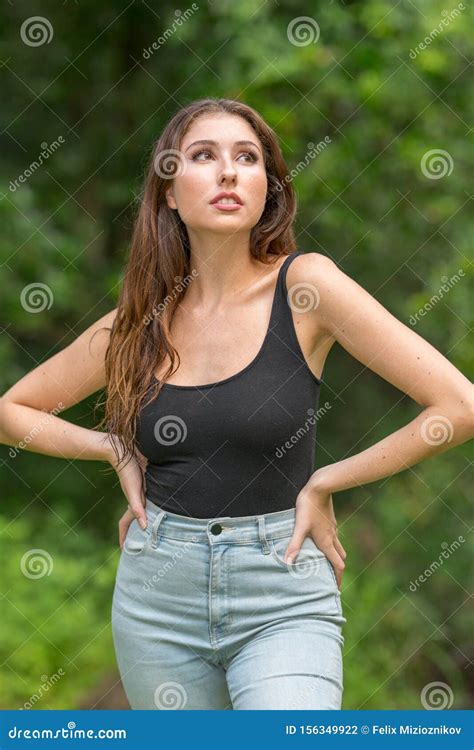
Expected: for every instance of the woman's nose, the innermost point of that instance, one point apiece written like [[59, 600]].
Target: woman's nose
[[227, 171]]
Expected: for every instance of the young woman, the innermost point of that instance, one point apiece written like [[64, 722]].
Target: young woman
[[228, 586]]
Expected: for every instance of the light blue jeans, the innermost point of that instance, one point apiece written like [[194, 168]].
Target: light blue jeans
[[207, 615]]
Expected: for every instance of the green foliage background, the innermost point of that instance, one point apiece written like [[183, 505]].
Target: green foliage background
[[364, 201]]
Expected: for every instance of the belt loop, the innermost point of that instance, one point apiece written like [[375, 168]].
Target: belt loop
[[261, 535], [155, 527]]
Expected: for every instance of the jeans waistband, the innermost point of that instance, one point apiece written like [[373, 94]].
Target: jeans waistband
[[221, 529]]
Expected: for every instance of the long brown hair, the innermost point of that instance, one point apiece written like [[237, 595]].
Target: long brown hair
[[158, 268]]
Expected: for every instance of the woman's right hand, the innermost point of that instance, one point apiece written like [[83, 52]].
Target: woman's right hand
[[131, 476]]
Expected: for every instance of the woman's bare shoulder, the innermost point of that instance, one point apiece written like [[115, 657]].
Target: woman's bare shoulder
[[313, 269]]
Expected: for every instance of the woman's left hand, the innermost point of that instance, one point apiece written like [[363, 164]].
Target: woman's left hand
[[315, 518]]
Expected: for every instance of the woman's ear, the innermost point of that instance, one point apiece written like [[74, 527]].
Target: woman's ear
[[170, 198]]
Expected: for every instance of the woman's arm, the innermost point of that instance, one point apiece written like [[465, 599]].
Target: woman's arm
[[371, 334], [343, 311], [28, 412], [28, 409]]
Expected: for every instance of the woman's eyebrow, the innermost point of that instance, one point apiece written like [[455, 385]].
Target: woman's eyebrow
[[214, 143]]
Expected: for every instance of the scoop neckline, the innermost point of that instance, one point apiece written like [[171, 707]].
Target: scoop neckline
[[254, 360]]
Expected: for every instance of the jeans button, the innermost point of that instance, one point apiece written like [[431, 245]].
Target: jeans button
[[216, 528]]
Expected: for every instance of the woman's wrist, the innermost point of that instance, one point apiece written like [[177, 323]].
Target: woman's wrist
[[322, 481], [106, 450]]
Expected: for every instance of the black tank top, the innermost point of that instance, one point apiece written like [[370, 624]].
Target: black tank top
[[241, 446]]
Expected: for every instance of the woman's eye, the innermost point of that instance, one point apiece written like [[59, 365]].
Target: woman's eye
[[253, 158], [195, 156]]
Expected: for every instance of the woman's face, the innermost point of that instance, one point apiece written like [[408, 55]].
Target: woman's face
[[222, 166]]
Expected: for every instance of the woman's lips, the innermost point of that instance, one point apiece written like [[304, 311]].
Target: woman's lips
[[226, 206]]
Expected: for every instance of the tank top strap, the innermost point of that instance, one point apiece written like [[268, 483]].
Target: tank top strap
[[282, 324], [283, 310], [283, 271]]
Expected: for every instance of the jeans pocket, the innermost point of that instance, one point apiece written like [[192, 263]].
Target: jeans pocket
[[313, 565], [137, 539], [306, 562]]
